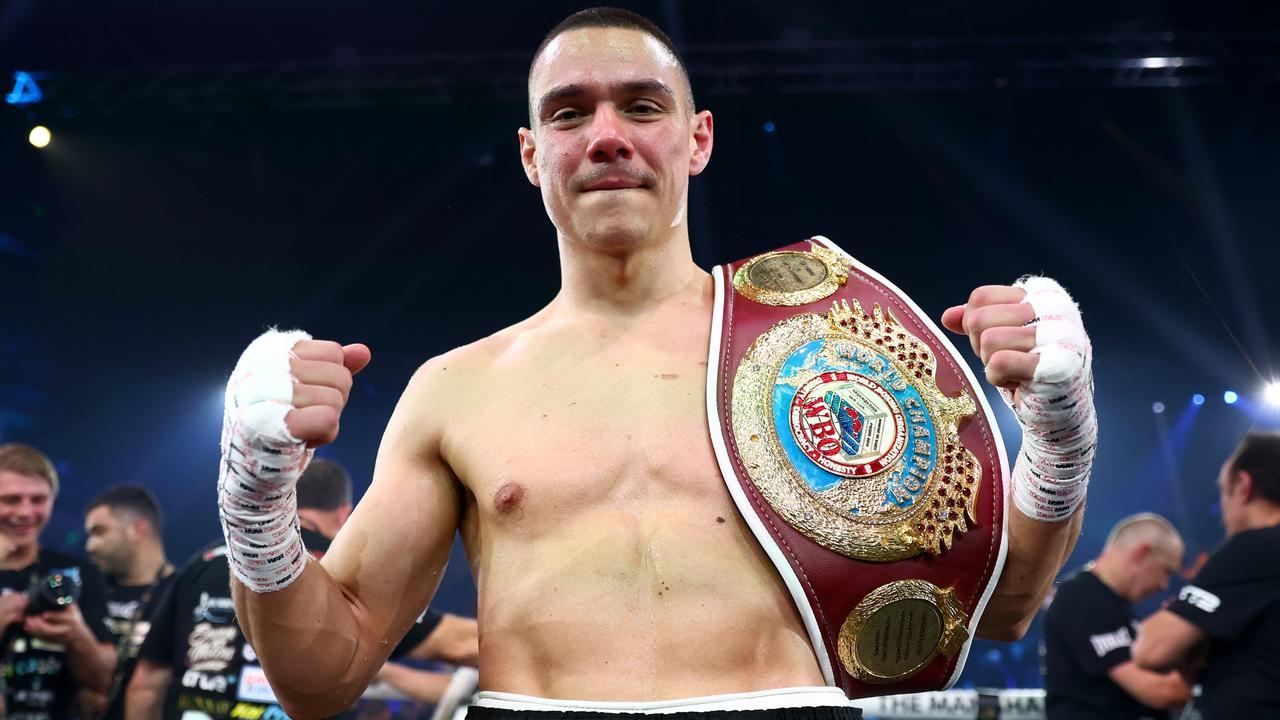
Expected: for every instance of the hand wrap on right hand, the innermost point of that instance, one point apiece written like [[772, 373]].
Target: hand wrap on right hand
[[261, 464]]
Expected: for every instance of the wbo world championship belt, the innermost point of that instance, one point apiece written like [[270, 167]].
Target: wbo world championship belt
[[863, 455]]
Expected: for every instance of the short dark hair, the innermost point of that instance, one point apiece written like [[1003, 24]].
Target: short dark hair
[[1259, 455], [612, 17], [134, 499], [324, 485]]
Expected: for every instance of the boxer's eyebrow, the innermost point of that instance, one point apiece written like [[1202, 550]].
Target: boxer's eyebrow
[[640, 87], [630, 87], [562, 92]]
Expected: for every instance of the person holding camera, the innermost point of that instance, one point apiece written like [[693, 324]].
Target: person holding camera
[[55, 641], [195, 660]]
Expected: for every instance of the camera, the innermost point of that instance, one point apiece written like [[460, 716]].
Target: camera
[[55, 591]]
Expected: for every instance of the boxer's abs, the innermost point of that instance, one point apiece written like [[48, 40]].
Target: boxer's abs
[[610, 560], [624, 607]]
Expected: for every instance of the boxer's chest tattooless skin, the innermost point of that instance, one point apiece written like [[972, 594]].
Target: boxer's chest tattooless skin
[[599, 525]]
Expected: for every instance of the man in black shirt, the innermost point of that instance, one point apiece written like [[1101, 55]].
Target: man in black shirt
[[49, 655], [1090, 627], [123, 530], [1231, 615], [195, 661]]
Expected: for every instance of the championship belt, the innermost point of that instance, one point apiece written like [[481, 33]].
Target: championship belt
[[862, 453]]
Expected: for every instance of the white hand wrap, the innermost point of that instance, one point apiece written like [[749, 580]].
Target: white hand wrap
[[261, 464], [1060, 428]]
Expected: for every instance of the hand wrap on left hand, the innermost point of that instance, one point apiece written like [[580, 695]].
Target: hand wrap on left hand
[[1056, 412]]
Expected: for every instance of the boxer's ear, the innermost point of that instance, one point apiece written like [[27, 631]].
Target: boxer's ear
[[529, 155], [701, 139]]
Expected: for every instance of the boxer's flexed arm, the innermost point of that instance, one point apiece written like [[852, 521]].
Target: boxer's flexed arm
[[321, 630], [1034, 348]]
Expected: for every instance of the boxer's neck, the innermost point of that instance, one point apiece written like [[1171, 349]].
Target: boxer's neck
[[628, 280]]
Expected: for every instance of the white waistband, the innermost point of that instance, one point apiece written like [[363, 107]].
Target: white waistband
[[759, 700]]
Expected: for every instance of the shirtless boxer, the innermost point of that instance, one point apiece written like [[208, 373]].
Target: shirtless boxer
[[571, 450]]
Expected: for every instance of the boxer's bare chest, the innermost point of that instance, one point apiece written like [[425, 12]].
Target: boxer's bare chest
[[571, 421], [600, 530]]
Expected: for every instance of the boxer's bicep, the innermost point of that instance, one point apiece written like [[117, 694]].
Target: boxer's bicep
[[349, 610], [392, 552]]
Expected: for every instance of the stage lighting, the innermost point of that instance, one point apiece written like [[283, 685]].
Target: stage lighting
[[1230, 397], [1271, 393], [25, 90], [770, 127], [1157, 407], [1197, 399], [40, 136], [1155, 63]]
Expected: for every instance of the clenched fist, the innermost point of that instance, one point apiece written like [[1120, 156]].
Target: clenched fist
[[999, 327], [284, 397], [1034, 347], [322, 372]]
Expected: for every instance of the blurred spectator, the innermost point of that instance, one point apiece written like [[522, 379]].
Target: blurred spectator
[[55, 644], [123, 527], [1089, 628], [1229, 620]]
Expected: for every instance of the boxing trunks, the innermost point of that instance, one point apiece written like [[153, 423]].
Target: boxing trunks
[[808, 703]]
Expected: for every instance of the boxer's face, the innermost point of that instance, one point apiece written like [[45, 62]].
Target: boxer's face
[[614, 138], [25, 501]]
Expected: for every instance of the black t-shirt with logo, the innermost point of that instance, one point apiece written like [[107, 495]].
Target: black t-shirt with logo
[[1235, 599], [37, 676], [215, 672], [1088, 630], [129, 609]]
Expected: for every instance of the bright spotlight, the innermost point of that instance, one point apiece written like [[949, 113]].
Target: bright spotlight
[[1230, 397], [1153, 63], [1271, 393], [1157, 407], [1197, 399], [40, 136]]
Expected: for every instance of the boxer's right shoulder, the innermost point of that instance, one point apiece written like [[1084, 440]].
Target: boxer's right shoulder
[[453, 376], [446, 372], [431, 399], [455, 370]]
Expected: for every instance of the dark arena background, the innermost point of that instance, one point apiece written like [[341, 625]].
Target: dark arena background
[[216, 168]]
